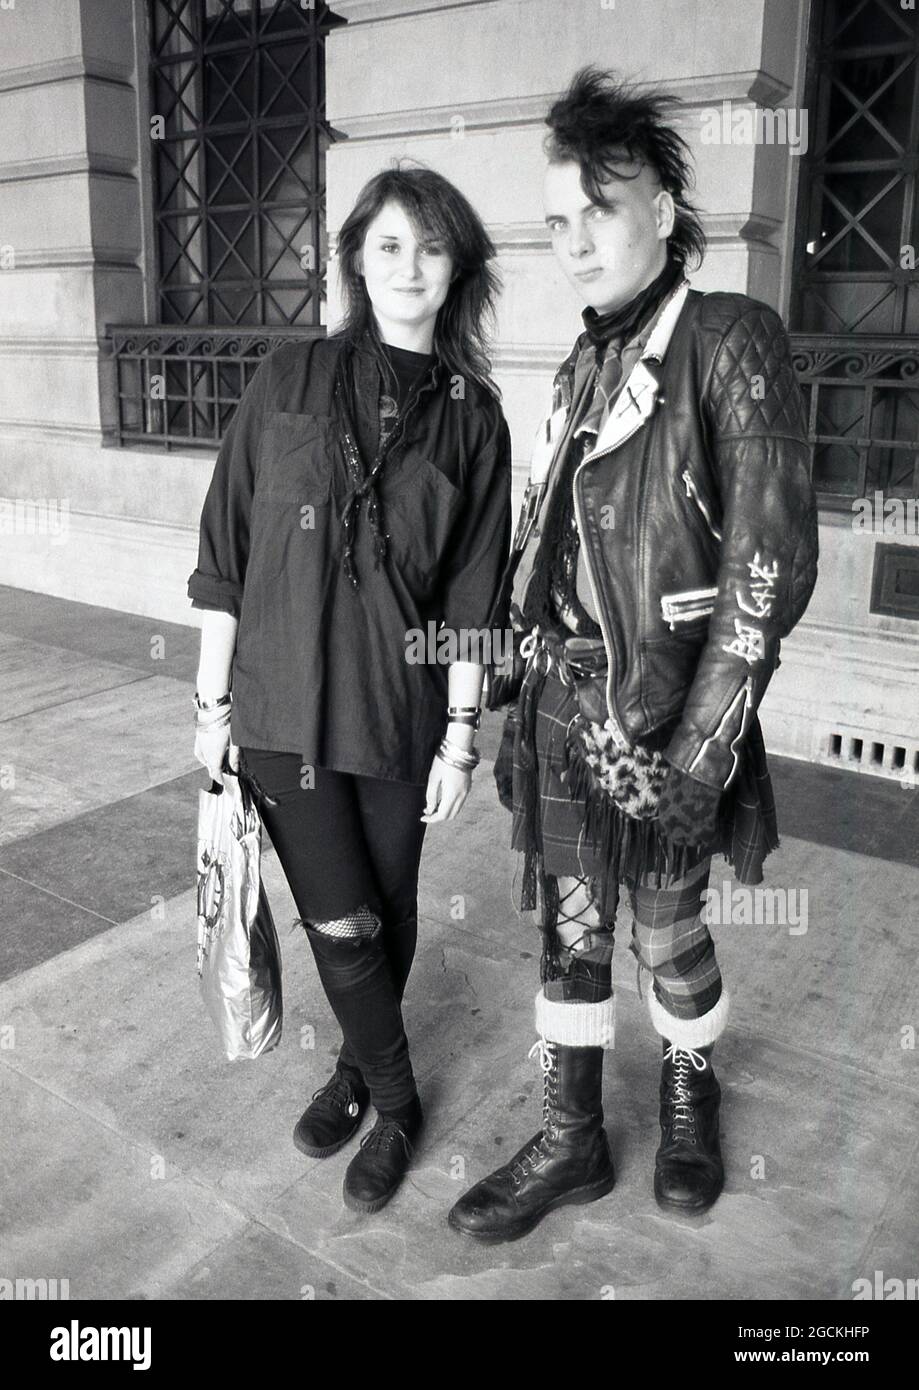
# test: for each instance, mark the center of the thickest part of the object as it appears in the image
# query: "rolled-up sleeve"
(478, 556)
(223, 536)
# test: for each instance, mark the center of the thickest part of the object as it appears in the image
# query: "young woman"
(361, 495)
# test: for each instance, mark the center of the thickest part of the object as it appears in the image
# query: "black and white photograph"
(459, 665)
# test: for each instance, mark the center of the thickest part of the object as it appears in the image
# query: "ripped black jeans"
(344, 842)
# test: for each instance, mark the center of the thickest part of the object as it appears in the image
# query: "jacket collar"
(638, 394)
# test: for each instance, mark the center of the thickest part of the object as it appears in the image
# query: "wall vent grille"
(879, 755)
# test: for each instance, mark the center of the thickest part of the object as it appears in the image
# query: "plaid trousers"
(669, 937)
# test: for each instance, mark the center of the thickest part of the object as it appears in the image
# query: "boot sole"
(312, 1151)
(683, 1209)
(580, 1196)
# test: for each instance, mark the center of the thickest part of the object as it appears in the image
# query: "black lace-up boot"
(688, 1169)
(333, 1115)
(567, 1163)
(382, 1160)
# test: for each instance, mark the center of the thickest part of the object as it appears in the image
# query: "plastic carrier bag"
(239, 961)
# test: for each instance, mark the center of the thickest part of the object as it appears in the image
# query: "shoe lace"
(337, 1094)
(384, 1134)
(683, 1119)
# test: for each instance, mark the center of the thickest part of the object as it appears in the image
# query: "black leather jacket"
(711, 556)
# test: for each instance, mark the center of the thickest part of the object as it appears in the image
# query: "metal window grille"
(239, 135)
(855, 310)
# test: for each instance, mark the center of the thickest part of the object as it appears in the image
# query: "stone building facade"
(463, 85)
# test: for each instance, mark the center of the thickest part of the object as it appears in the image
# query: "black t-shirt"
(408, 369)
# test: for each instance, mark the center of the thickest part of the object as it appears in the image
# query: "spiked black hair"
(600, 122)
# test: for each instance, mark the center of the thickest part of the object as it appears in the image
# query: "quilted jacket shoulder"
(751, 384)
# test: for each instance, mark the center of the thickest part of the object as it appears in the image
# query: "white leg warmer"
(575, 1024)
(690, 1032)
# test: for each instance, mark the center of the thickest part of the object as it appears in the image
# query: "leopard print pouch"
(633, 779)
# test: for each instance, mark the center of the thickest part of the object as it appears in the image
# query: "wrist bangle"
(211, 719)
(460, 767)
(472, 721)
(212, 704)
(457, 757)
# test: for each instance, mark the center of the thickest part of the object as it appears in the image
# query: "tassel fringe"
(631, 847)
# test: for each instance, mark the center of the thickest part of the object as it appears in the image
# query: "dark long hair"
(437, 211)
(598, 119)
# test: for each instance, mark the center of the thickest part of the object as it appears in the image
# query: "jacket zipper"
(687, 606)
(746, 693)
(693, 492)
(614, 718)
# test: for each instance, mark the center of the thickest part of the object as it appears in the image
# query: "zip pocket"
(692, 492)
(686, 607)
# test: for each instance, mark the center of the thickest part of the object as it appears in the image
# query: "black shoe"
(567, 1163)
(688, 1169)
(381, 1162)
(332, 1116)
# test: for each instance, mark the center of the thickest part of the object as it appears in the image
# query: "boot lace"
(682, 1059)
(548, 1058)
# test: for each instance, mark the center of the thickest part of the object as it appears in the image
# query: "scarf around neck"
(623, 323)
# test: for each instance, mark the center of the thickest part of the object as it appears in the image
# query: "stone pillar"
(116, 527)
(69, 208)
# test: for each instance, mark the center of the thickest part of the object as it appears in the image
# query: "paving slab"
(258, 1265)
(36, 925)
(115, 859)
(93, 750)
(106, 634)
(85, 1202)
(35, 677)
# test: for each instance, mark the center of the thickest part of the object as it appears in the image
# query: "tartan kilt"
(564, 847)
(748, 829)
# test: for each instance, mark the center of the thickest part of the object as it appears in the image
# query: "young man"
(668, 541)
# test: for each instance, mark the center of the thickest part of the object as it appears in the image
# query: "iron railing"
(178, 387)
(862, 396)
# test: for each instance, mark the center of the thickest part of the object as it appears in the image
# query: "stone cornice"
(66, 166)
(75, 68)
(76, 257)
(696, 93)
(358, 12)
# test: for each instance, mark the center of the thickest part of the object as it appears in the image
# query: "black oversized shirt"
(320, 669)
